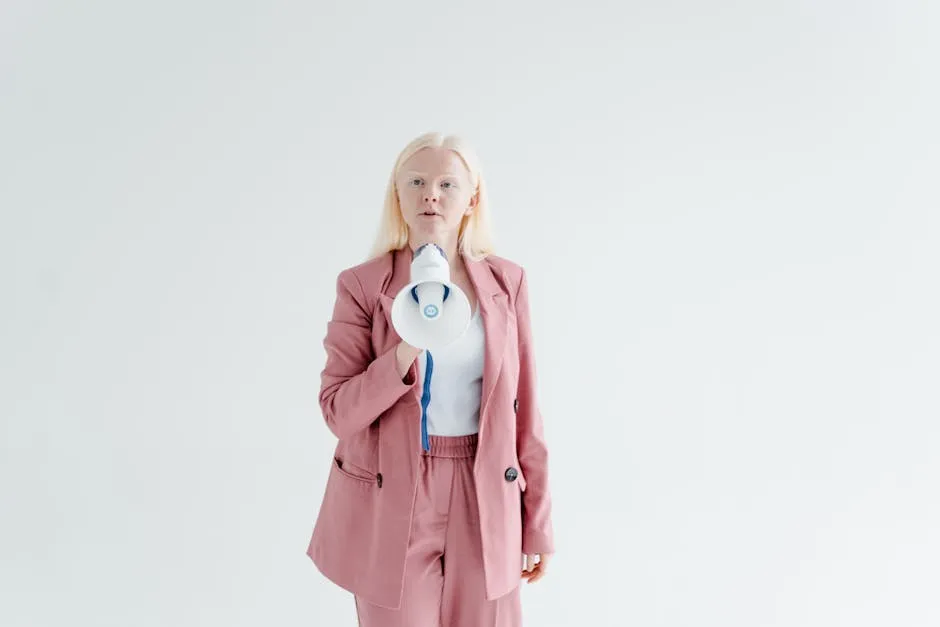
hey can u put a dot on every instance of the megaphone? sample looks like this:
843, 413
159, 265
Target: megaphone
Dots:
431, 311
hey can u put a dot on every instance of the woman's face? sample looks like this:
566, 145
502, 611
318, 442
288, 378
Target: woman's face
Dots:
435, 192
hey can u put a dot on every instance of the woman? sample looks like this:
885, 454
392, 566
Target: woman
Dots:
438, 488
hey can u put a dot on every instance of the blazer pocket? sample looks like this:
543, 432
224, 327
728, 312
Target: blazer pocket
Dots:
353, 472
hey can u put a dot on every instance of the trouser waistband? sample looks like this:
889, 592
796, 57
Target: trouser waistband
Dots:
453, 445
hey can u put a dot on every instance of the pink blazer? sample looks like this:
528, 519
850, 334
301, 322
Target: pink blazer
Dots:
362, 528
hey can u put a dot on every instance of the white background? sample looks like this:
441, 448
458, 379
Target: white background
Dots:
728, 213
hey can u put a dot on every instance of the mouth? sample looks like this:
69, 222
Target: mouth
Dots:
428, 214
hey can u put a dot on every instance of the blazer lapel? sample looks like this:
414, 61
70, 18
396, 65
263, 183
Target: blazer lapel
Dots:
494, 309
394, 282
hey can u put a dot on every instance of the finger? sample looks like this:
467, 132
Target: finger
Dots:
536, 574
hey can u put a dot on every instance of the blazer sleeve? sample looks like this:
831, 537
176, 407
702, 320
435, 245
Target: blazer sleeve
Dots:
537, 534
356, 388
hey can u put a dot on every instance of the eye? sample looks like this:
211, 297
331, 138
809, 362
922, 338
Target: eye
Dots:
447, 185
414, 182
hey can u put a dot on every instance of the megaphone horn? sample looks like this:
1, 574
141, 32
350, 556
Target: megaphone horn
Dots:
431, 311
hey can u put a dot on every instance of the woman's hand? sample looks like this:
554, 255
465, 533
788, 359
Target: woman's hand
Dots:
405, 354
532, 570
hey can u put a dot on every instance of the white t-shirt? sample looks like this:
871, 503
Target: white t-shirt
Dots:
456, 382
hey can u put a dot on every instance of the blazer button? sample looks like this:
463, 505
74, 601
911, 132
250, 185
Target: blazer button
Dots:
515, 405
511, 474
378, 479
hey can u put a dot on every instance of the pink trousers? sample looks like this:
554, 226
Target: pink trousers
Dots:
444, 584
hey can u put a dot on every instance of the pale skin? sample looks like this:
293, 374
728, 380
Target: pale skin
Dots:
435, 192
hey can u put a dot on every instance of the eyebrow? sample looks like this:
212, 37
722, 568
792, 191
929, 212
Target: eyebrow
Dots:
425, 173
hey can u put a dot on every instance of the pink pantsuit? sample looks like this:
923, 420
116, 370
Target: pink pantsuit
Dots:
362, 538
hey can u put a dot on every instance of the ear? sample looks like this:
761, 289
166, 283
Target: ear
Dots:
473, 201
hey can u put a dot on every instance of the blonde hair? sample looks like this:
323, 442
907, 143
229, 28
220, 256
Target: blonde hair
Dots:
474, 238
